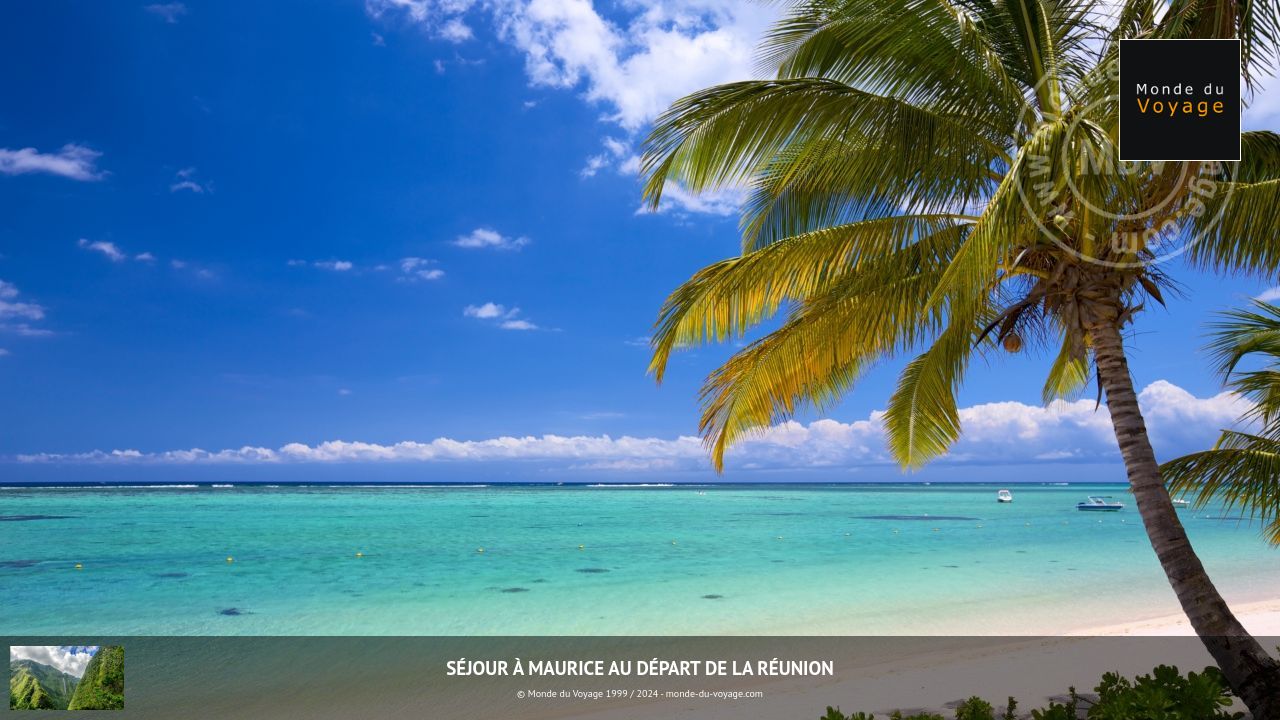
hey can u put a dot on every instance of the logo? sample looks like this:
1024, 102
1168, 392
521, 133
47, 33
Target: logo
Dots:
1179, 100
1164, 186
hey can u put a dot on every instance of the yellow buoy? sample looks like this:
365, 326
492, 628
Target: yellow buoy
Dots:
230, 559
359, 554
779, 537
582, 547
935, 529
673, 542
479, 550
79, 566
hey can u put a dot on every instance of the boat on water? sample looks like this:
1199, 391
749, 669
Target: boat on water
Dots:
1100, 503
1181, 502
1004, 496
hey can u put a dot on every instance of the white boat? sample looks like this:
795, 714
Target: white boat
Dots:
1099, 503
1004, 496
1181, 503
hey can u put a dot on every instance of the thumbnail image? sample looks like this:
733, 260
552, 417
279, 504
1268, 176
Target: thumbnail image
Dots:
66, 677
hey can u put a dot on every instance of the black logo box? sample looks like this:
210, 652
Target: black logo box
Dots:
1189, 65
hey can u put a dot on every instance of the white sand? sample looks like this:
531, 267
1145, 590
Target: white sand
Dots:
1262, 619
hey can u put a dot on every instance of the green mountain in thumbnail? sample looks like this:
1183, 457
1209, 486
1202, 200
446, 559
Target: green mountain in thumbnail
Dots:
102, 687
35, 686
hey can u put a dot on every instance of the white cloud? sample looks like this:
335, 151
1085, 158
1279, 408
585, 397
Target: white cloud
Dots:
994, 434
412, 269
69, 659
487, 311
185, 179
595, 164
416, 268
661, 50
4, 352
192, 269
378, 40
442, 18
490, 238
507, 318
335, 265
30, 311
1263, 111
115, 254
109, 249
617, 153
723, 202
455, 31
16, 315
72, 161
169, 12
676, 199
635, 67
1269, 295
24, 330
633, 64
11, 309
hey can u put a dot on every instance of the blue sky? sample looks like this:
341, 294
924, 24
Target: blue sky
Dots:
239, 225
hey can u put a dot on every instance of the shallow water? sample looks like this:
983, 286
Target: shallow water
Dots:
940, 559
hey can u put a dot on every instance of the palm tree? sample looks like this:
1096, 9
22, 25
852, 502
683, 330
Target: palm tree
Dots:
1243, 468
939, 177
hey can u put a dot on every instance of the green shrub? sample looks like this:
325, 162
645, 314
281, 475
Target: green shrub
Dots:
1059, 711
1055, 711
833, 713
975, 708
1164, 694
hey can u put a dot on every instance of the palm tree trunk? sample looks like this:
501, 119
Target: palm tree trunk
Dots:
1253, 674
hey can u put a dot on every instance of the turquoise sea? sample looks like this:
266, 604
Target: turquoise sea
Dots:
568, 560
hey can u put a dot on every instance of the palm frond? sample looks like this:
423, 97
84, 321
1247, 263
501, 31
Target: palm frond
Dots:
1259, 157
819, 184
826, 344
1238, 229
1255, 22
727, 298
922, 420
1239, 333
928, 52
726, 135
1242, 471
1069, 373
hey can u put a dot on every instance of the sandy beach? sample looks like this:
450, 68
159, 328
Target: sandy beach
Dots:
1260, 618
